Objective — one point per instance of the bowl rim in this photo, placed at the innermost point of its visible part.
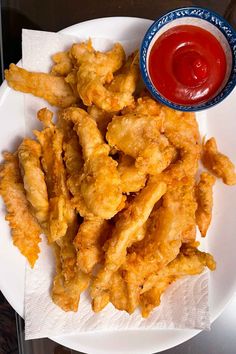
(204, 14)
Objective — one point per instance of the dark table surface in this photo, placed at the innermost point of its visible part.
(52, 15)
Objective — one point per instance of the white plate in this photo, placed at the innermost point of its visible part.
(220, 122)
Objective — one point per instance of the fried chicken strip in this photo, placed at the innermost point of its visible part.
(124, 234)
(139, 137)
(101, 117)
(126, 79)
(119, 289)
(24, 227)
(67, 251)
(53, 89)
(132, 179)
(74, 168)
(217, 163)
(95, 69)
(89, 241)
(71, 79)
(168, 226)
(69, 281)
(204, 196)
(62, 64)
(60, 209)
(103, 64)
(29, 154)
(73, 156)
(100, 182)
(181, 129)
(118, 292)
(190, 261)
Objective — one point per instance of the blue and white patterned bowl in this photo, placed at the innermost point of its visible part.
(207, 20)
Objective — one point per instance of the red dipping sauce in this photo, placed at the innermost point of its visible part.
(187, 65)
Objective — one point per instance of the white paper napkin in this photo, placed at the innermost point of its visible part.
(185, 303)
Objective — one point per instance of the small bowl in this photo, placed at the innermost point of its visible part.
(208, 20)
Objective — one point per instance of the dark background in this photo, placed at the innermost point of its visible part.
(51, 15)
(55, 15)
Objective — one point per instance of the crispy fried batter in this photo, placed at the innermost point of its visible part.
(218, 163)
(204, 196)
(24, 227)
(68, 252)
(118, 293)
(89, 242)
(138, 135)
(101, 64)
(101, 117)
(74, 167)
(190, 261)
(132, 179)
(100, 183)
(125, 80)
(144, 106)
(95, 69)
(60, 209)
(181, 129)
(124, 235)
(73, 156)
(63, 64)
(71, 79)
(29, 153)
(69, 281)
(53, 89)
(166, 230)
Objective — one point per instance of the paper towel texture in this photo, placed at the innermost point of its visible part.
(185, 303)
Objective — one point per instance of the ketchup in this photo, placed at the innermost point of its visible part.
(187, 65)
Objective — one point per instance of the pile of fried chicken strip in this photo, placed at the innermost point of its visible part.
(112, 181)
